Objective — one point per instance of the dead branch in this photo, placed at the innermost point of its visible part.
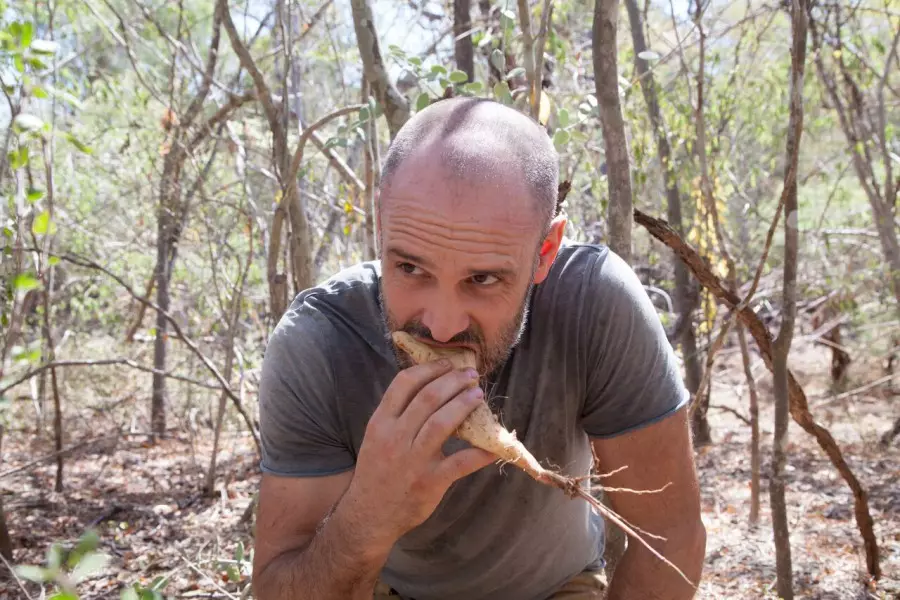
(87, 263)
(101, 363)
(799, 406)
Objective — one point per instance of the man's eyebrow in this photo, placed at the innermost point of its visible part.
(408, 256)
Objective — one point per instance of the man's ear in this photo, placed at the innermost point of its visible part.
(550, 248)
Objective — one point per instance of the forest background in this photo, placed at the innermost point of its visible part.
(173, 172)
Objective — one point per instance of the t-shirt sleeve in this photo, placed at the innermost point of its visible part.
(634, 378)
(300, 429)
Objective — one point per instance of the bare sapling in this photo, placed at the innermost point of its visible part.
(483, 430)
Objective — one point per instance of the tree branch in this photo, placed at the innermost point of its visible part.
(100, 363)
(87, 263)
(799, 406)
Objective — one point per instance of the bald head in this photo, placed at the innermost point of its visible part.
(474, 139)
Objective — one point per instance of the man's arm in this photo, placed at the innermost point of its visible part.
(655, 456)
(298, 548)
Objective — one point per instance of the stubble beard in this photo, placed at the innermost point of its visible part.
(490, 357)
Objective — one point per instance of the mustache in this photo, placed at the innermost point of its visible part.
(421, 331)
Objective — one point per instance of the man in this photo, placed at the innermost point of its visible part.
(365, 491)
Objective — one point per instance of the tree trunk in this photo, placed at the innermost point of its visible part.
(754, 426)
(463, 48)
(606, 77)
(683, 298)
(782, 345)
(5, 539)
(167, 194)
(393, 103)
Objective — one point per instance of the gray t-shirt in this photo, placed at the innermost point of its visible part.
(593, 361)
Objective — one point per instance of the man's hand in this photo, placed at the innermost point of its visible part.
(401, 462)
(653, 457)
(400, 476)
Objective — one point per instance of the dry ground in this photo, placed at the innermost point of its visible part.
(145, 501)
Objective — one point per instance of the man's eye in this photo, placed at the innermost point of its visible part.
(484, 279)
(408, 268)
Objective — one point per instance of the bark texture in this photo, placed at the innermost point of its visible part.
(463, 50)
(393, 103)
(606, 79)
(683, 300)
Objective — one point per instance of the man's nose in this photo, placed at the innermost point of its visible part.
(445, 320)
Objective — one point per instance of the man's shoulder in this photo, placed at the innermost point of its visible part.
(343, 307)
(590, 272)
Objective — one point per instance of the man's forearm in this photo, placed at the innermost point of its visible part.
(339, 563)
(640, 574)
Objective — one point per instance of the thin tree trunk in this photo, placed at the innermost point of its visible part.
(394, 104)
(890, 434)
(754, 426)
(463, 48)
(615, 142)
(237, 299)
(782, 345)
(683, 300)
(5, 539)
(164, 216)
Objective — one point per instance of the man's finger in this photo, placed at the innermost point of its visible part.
(433, 396)
(445, 420)
(410, 382)
(462, 463)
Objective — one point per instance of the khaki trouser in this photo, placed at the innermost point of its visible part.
(588, 585)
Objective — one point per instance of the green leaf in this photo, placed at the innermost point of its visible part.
(89, 564)
(39, 92)
(24, 282)
(44, 47)
(33, 195)
(459, 76)
(502, 93)
(562, 116)
(364, 114)
(648, 55)
(79, 144)
(27, 34)
(233, 574)
(18, 158)
(415, 60)
(474, 87)
(239, 552)
(36, 63)
(438, 70)
(53, 260)
(64, 596)
(32, 573)
(65, 96)
(41, 222)
(88, 543)
(498, 60)
(27, 122)
(422, 101)
(518, 71)
(129, 594)
(561, 137)
(15, 29)
(55, 556)
(159, 583)
(19, 62)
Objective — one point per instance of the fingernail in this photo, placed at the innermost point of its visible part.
(476, 392)
(472, 373)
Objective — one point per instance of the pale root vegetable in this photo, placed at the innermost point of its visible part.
(483, 430)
